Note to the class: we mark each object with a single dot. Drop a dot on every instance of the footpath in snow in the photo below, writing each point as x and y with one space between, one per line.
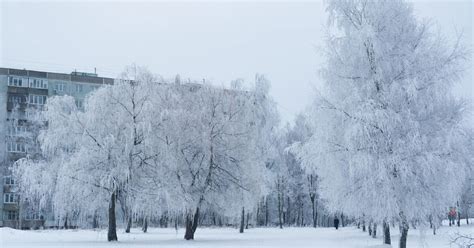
349 237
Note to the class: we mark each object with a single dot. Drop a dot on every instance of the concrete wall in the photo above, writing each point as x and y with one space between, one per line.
3 149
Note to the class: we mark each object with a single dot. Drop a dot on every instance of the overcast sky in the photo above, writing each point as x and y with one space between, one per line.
216 41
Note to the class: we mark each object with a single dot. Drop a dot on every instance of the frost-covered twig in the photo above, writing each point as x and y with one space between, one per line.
463 240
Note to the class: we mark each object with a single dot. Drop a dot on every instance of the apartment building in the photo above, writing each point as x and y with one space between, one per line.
22 94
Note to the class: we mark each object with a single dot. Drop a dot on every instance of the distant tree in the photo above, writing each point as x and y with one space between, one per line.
302 184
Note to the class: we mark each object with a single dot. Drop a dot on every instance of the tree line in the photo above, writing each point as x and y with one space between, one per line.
384 143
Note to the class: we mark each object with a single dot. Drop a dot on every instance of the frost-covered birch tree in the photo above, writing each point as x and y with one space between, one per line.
212 150
387 136
100 155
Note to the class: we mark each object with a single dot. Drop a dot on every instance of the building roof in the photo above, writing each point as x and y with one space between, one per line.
73 77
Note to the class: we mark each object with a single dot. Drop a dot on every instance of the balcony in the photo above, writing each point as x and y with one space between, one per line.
26 90
10 188
10 206
21 106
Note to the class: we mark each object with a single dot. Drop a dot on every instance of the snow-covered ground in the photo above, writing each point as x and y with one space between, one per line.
225 237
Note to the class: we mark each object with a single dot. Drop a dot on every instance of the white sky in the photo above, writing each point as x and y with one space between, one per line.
216 41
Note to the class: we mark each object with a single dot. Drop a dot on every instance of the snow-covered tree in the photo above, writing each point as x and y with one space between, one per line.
23 125
387 133
466 201
212 146
100 155
298 134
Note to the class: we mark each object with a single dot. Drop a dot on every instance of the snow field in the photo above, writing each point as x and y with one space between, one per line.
349 237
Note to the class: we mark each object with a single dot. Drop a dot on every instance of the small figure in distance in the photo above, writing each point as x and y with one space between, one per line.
452 216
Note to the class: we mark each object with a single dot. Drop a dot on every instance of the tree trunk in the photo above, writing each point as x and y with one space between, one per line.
248 219
288 211
95 222
386 233
257 219
266 212
315 212
191 225
112 232
403 232
298 217
145 225
312 198
242 221
176 223
19 219
280 211
363 225
189 228
129 223
65 223
374 231
370 228
196 220
302 217
459 218
164 220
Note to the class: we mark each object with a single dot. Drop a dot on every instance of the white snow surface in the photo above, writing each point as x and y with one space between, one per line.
350 237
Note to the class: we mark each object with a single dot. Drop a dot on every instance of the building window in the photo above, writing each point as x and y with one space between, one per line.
32 114
9 180
11 215
59 87
37 99
16 147
80 103
10 198
17 81
16 99
33 215
17 131
79 87
38 83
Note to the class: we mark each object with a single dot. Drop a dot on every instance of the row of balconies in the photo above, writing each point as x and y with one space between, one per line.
26 90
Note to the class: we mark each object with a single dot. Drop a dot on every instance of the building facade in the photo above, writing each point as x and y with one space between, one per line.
23 93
